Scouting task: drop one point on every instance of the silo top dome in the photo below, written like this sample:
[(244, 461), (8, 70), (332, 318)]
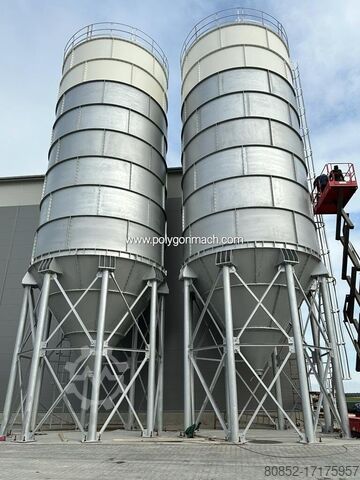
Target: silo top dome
[(120, 31), (231, 16)]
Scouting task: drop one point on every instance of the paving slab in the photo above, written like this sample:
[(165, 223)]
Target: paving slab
[(125, 455)]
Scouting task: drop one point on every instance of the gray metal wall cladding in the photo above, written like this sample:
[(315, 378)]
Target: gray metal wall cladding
[(244, 170), (107, 174)]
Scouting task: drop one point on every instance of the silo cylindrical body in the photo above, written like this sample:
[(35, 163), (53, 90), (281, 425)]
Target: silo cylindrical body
[(244, 173), (106, 179)]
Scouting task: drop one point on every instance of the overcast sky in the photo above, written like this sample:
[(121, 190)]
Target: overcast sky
[(324, 38)]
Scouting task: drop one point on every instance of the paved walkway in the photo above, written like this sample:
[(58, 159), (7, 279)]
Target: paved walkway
[(55, 457)]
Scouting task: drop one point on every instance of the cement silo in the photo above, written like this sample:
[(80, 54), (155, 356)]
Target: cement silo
[(245, 182), (105, 189)]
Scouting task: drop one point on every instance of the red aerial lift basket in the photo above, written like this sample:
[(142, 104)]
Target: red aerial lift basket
[(337, 193)]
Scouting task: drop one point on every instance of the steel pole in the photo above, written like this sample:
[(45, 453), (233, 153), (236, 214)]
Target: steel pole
[(152, 362), (40, 376), (320, 367), (96, 381), (187, 362), (34, 369), (230, 371), (160, 405), (13, 369), (133, 360), (340, 394), (278, 391), (298, 341), (84, 401)]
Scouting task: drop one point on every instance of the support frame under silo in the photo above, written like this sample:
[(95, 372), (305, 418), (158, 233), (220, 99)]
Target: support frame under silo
[(313, 359), (31, 329)]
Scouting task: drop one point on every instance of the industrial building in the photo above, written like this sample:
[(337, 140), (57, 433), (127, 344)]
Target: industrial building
[(110, 330)]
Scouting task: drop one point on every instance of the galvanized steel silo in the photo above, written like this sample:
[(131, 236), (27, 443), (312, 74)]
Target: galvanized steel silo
[(104, 191), (106, 180), (243, 160), (244, 176)]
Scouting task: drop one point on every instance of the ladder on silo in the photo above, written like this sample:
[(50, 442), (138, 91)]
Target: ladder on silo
[(320, 226)]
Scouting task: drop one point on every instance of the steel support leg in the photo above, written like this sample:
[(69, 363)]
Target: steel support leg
[(230, 370), (187, 361), (40, 376), (150, 416), (34, 369), (300, 359), (84, 401), (340, 394), (13, 369), (160, 405), (317, 360), (96, 381), (278, 391), (133, 365)]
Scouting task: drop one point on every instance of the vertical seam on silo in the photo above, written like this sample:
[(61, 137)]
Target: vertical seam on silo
[(62, 104), (294, 167), (128, 120), (57, 151), (72, 58), (195, 177), (244, 160), (132, 74), (130, 175), (48, 213), (244, 54), (219, 83), (271, 132), (267, 38), (77, 168), (85, 70), (34, 247), (197, 116), (199, 71), (148, 208), (98, 201), (112, 48), (269, 77), (220, 38), (246, 104), (272, 192), (154, 66), (103, 92), (214, 198), (68, 229), (103, 143), (44, 187), (127, 235), (289, 112), (286, 72), (236, 223), (295, 227)]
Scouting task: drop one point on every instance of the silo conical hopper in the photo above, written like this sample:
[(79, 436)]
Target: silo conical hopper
[(244, 173)]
